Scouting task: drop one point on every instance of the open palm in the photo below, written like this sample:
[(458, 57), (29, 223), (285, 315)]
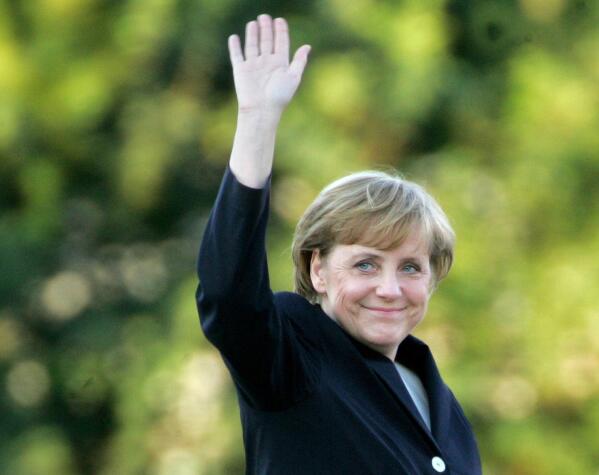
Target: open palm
[(264, 78)]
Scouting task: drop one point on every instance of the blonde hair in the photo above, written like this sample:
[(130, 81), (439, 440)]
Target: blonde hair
[(375, 209)]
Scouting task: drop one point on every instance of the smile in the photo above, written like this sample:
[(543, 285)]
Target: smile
[(385, 309)]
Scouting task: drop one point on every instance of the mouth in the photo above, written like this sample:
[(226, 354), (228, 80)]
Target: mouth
[(386, 310)]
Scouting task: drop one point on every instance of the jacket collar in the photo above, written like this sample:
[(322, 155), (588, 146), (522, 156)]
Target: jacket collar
[(416, 355)]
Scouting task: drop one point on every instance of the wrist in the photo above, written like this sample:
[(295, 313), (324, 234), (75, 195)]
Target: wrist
[(264, 116), (257, 126)]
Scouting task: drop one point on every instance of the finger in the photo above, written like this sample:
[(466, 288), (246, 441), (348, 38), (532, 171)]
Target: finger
[(281, 37), (235, 50), (300, 59), (265, 34), (251, 39)]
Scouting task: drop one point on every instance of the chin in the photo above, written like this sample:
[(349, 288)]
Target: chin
[(383, 341)]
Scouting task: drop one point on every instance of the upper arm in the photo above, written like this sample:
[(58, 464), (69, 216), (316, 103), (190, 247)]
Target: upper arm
[(264, 351)]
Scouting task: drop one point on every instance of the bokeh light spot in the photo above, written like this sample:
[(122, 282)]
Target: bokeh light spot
[(28, 383), (66, 295), (514, 397)]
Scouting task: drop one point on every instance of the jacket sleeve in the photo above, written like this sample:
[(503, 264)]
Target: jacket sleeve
[(268, 356)]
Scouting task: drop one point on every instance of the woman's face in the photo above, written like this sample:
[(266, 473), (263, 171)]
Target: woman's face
[(376, 296)]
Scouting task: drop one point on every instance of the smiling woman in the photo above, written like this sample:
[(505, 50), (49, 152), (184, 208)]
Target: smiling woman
[(376, 296), (370, 249), (329, 379)]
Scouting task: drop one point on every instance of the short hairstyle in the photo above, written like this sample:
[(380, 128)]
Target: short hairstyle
[(375, 209)]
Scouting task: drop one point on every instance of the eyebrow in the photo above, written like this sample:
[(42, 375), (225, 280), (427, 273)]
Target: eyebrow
[(365, 255)]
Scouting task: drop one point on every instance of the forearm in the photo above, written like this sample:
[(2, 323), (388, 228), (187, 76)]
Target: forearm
[(253, 147)]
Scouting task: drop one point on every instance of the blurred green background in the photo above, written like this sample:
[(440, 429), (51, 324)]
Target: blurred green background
[(116, 121)]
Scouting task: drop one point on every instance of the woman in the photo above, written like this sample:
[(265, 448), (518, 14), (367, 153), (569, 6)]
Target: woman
[(329, 379)]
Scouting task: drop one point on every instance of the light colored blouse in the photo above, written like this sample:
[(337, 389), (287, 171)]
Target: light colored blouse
[(417, 392)]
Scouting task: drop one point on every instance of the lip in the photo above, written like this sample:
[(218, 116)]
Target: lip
[(385, 309)]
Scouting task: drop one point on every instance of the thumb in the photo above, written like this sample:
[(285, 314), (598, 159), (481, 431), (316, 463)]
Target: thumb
[(300, 58)]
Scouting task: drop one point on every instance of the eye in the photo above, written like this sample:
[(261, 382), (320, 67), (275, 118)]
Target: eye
[(410, 268), (365, 266)]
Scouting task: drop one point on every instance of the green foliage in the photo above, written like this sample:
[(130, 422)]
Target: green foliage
[(116, 120)]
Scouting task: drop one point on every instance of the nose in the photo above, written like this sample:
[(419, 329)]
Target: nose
[(389, 287)]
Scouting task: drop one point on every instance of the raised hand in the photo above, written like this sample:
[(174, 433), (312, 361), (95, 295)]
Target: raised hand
[(265, 81)]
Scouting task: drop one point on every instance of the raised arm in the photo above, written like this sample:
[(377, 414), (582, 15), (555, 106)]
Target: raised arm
[(265, 82), (238, 311)]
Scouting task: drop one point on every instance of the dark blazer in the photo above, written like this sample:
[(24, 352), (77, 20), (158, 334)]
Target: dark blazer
[(313, 400)]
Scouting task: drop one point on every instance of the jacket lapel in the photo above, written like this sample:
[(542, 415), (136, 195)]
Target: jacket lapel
[(386, 371), (417, 356)]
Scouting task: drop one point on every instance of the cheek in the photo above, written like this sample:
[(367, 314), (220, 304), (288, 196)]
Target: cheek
[(349, 291), (419, 294), (356, 289)]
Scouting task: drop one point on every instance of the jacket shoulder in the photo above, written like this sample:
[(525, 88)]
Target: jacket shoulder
[(302, 314)]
